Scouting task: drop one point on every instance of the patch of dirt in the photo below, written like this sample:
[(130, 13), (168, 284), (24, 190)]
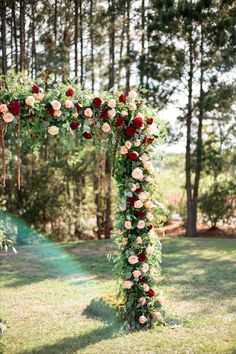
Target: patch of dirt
[(99, 251), (177, 229)]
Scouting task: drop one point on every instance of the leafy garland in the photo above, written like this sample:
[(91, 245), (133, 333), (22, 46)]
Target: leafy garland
[(124, 126)]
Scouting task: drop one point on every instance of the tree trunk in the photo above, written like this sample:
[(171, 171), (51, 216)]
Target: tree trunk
[(191, 213), (111, 10), (142, 42), (92, 45), (81, 45), (34, 58), (127, 85), (4, 45), (76, 38), (22, 35), (108, 197), (15, 35), (121, 48)]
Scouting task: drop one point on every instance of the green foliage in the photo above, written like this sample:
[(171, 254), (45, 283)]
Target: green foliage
[(218, 202)]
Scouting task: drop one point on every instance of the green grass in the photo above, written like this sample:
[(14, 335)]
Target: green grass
[(51, 300)]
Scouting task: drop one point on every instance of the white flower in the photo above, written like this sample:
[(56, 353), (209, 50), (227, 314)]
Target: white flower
[(145, 287), (8, 117), (111, 103), (138, 204), (139, 240), (145, 267), (132, 95), (150, 216), (149, 250), (137, 142), (132, 106), (30, 101), (137, 173), (106, 128), (52, 130), (123, 150), (136, 273), (141, 224), (144, 196), (128, 225), (133, 259), (111, 113)]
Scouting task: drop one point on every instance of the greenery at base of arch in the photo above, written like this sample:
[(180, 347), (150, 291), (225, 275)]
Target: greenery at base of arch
[(124, 128)]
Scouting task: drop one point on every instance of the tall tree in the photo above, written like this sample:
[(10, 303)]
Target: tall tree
[(3, 37), (22, 35)]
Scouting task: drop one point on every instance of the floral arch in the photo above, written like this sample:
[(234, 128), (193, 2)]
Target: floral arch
[(128, 129)]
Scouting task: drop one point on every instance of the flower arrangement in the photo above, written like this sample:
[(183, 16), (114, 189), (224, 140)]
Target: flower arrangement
[(126, 125)]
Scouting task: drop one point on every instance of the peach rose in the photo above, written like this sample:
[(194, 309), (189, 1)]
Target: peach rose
[(137, 142), (90, 120), (128, 225), (52, 130), (149, 250), (134, 187), (57, 113), (145, 157), (75, 115), (149, 204), (3, 108), (133, 95), (133, 259), (149, 179), (128, 284), (132, 106), (137, 173), (124, 241), (157, 316), (8, 117), (136, 273), (88, 112), (145, 287), (39, 96), (111, 113), (139, 240), (138, 204), (145, 268), (111, 103), (56, 105), (30, 101), (141, 224), (68, 104), (160, 299), (106, 128), (128, 144), (142, 319), (149, 166), (144, 196), (123, 150), (150, 216), (142, 300)]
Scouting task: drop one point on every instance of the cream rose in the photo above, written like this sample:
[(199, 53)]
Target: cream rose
[(142, 319), (111, 103), (132, 106), (137, 173), (111, 113), (128, 225), (124, 241), (150, 216), (145, 268), (52, 130), (160, 299), (136, 273), (144, 196), (149, 250), (133, 95), (139, 240), (106, 128), (124, 114), (128, 284), (39, 96), (8, 117), (149, 204), (142, 300), (157, 316), (138, 204), (128, 144), (141, 224), (134, 187), (30, 101), (3, 108), (56, 105), (88, 112), (75, 115), (133, 259), (149, 179), (145, 287), (123, 150), (137, 142)]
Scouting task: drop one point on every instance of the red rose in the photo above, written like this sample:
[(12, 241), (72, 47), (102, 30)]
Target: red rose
[(150, 140), (149, 227), (87, 136), (78, 107), (14, 107), (122, 98), (149, 120), (139, 189), (142, 257), (138, 122), (97, 102), (119, 122), (35, 89), (144, 140), (140, 214), (132, 155), (51, 111), (130, 131), (74, 125), (132, 200), (104, 114), (70, 92), (142, 280), (151, 292)]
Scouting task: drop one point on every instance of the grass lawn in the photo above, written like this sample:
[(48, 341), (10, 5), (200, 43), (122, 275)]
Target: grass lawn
[(51, 300)]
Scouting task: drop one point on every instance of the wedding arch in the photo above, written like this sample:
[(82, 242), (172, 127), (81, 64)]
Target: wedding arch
[(127, 129)]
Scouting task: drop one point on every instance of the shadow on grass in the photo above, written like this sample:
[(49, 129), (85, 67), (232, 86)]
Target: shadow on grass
[(99, 310)]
